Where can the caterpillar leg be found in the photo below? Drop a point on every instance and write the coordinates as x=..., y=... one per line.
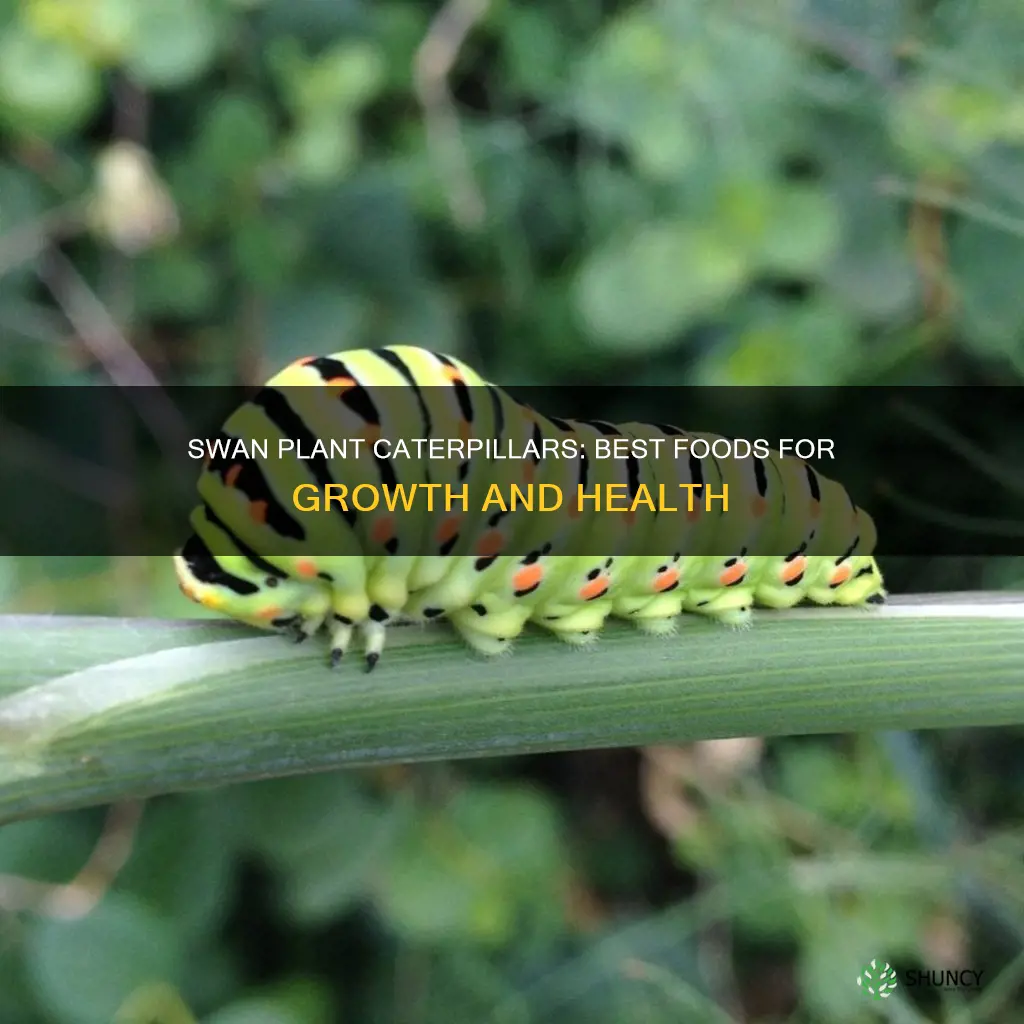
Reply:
x=721, y=590
x=375, y=633
x=657, y=625
x=848, y=581
x=730, y=607
x=483, y=643
x=784, y=582
x=657, y=615
x=579, y=627
x=302, y=624
x=455, y=589
x=342, y=630
x=341, y=636
x=303, y=627
x=373, y=629
x=486, y=632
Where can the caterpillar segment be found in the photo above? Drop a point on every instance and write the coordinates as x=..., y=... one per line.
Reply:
x=387, y=565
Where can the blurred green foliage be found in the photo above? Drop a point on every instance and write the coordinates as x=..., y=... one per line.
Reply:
x=801, y=192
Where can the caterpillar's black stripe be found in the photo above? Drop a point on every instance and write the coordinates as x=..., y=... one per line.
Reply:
x=284, y=417
x=207, y=569
x=760, y=476
x=397, y=363
x=812, y=482
x=245, y=476
x=243, y=549
x=461, y=389
x=356, y=397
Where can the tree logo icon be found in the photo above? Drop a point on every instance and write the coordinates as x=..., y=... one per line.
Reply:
x=878, y=980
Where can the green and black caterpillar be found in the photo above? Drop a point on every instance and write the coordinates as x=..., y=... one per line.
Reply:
x=791, y=535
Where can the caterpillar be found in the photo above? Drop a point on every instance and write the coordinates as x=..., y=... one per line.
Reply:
x=793, y=535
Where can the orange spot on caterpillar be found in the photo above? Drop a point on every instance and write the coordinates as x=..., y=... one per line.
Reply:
x=528, y=577
x=593, y=589
x=304, y=361
x=840, y=576
x=268, y=613
x=815, y=509
x=383, y=530
x=232, y=475
x=454, y=376
x=491, y=543
x=340, y=384
x=758, y=507
x=448, y=529
x=665, y=580
x=529, y=472
x=793, y=569
x=306, y=568
x=464, y=430
x=258, y=511
x=371, y=434
x=732, y=574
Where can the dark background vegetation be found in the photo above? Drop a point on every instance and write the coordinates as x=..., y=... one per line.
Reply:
x=807, y=192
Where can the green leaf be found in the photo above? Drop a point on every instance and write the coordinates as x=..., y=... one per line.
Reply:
x=805, y=344
x=367, y=234
x=176, y=282
x=48, y=850
x=298, y=1001
x=803, y=233
x=235, y=137
x=21, y=202
x=640, y=291
x=475, y=868
x=428, y=318
x=316, y=318
x=325, y=835
x=174, y=42
x=628, y=90
x=46, y=87
x=986, y=263
x=110, y=953
x=181, y=863
x=17, y=997
x=322, y=149
x=267, y=250
x=344, y=78
x=536, y=50
x=312, y=20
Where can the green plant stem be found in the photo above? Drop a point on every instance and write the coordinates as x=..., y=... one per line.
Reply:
x=97, y=710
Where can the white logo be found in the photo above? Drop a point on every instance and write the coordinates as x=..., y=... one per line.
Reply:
x=878, y=980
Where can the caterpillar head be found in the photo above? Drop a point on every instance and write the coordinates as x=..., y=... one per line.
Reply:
x=235, y=586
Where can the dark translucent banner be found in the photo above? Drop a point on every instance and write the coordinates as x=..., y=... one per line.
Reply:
x=349, y=469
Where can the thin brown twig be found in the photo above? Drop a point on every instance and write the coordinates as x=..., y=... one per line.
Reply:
x=78, y=897
x=434, y=60
x=31, y=239
x=131, y=110
x=98, y=330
